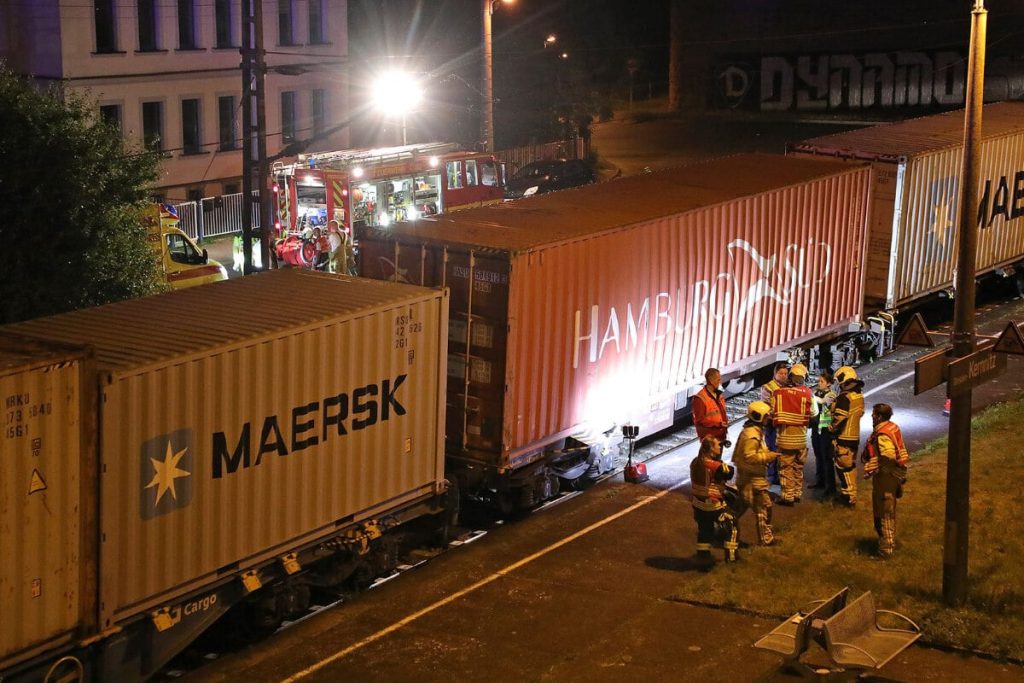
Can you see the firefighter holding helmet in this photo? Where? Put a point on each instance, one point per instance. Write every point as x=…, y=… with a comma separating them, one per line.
x=793, y=407
x=845, y=428
x=751, y=457
x=708, y=475
x=885, y=463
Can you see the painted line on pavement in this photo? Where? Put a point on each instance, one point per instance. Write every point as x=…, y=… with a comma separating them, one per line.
x=888, y=384
x=340, y=654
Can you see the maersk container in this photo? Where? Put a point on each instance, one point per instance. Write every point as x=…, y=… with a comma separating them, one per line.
x=596, y=307
x=917, y=164
x=47, y=498
x=244, y=419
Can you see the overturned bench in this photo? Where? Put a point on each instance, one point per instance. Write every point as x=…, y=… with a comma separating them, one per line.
x=848, y=631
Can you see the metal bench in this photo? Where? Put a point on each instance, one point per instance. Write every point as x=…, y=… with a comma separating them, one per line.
x=792, y=637
x=853, y=638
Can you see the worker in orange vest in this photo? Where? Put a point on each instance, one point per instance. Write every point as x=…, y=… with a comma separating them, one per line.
x=708, y=408
x=885, y=462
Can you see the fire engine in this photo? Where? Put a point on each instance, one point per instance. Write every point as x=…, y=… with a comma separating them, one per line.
x=377, y=187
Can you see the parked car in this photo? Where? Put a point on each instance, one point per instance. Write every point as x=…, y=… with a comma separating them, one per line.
x=547, y=176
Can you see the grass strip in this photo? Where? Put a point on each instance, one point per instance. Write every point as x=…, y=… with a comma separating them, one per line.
x=825, y=548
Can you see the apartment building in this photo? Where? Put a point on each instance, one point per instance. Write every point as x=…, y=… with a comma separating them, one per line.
x=167, y=71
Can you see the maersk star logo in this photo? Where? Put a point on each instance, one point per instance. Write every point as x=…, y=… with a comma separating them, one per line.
x=942, y=200
x=166, y=473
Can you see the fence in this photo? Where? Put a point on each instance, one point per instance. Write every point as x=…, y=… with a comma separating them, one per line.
x=517, y=157
x=213, y=216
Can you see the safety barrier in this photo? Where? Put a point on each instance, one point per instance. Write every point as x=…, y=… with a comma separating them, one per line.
x=214, y=216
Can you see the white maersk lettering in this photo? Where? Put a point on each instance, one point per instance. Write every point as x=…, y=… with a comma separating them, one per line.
x=710, y=299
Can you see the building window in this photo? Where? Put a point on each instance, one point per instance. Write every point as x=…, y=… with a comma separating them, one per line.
x=228, y=125
x=231, y=188
x=147, y=25
x=319, y=108
x=288, y=116
x=193, y=194
x=106, y=36
x=186, y=25
x=190, y=142
x=285, y=23
x=317, y=29
x=222, y=10
x=153, y=125
x=110, y=114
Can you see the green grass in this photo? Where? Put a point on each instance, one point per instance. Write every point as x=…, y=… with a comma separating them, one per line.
x=825, y=548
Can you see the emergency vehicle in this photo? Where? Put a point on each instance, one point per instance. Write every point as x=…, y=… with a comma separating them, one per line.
x=376, y=187
x=182, y=263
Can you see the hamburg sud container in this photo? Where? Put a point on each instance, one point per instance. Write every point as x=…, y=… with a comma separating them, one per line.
x=47, y=488
x=913, y=228
x=245, y=420
x=600, y=306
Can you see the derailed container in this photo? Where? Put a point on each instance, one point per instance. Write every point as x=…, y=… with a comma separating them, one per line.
x=47, y=499
x=242, y=419
x=596, y=307
x=917, y=163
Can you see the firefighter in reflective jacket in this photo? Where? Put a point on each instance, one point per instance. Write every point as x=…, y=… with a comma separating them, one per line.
x=845, y=428
x=779, y=379
x=751, y=457
x=709, y=409
x=885, y=463
x=708, y=475
x=793, y=407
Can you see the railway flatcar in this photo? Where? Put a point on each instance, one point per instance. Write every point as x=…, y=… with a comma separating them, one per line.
x=581, y=311
x=167, y=459
x=915, y=196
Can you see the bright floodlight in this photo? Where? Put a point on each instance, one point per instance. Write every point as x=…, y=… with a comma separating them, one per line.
x=396, y=92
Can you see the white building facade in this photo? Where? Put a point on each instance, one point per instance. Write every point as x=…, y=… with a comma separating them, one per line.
x=167, y=71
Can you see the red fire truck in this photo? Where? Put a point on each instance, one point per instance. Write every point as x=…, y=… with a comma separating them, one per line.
x=377, y=187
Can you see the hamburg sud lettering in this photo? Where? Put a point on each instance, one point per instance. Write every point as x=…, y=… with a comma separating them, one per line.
x=777, y=278
x=308, y=425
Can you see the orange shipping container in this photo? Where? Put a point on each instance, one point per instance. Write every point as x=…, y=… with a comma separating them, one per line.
x=595, y=307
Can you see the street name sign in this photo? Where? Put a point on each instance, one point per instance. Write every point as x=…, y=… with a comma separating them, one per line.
x=970, y=371
x=930, y=370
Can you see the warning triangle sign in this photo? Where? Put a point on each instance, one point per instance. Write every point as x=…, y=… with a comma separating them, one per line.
x=36, y=484
x=915, y=333
x=1010, y=341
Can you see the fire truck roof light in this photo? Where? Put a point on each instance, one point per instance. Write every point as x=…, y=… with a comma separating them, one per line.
x=357, y=172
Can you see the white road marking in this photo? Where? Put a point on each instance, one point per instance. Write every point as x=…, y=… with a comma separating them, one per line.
x=888, y=384
x=340, y=654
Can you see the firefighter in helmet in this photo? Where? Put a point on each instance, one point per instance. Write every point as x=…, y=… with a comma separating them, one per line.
x=708, y=475
x=709, y=409
x=845, y=428
x=792, y=409
x=885, y=463
x=780, y=377
x=751, y=457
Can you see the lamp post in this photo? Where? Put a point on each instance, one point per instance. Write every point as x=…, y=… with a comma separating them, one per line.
x=397, y=92
x=487, y=124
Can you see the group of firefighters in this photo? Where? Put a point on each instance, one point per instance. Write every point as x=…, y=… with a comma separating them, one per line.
x=774, y=437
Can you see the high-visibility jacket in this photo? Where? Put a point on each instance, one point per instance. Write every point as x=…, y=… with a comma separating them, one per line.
x=825, y=399
x=707, y=483
x=709, y=414
x=792, y=406
x=846, y=414
x=885, y=447
x=751, y=457
x=768, y=390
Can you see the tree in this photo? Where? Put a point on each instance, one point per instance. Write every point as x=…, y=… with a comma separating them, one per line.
x=70, y=196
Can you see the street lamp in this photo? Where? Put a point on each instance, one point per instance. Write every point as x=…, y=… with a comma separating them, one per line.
x=550, y=40
x=487, y=126
x=397, y=92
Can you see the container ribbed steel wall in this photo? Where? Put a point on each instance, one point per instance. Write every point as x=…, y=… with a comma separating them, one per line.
x=595, y=307
x=42, y=466
x=917, y=191
x=275, y=352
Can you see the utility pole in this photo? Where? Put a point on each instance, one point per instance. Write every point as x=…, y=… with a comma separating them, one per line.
x=248, y=146
x=263, y=165
x=958, y=466
x=487, y=132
